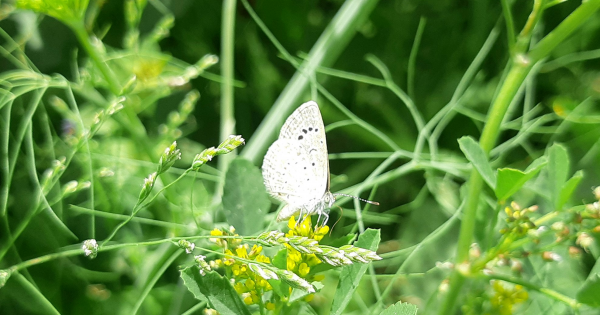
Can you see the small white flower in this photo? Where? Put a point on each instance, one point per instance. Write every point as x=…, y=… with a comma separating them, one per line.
x=90, y=248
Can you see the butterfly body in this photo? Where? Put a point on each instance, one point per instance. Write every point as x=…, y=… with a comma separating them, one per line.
x=296, y=166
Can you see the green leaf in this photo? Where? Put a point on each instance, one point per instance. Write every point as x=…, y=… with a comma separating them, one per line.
x=400, y=309
x=298, y=294
x=558, y=170
x=350, y=275
x=280, y=259
x=510, y=180
x=478, y=158
x=340, y=241
x=590, y=291
x=568, y=189
x=215, y=289
x=280, y=288
x=245, y=200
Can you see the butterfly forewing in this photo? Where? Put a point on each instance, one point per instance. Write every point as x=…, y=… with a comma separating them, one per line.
x=296, y=166
x=305, y=126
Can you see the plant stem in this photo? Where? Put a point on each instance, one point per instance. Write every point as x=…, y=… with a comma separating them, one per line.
x=227, y=72
x=510, y=24
x=412, y=59
x=326, y=50
x=489, y=136
x=509, y=89
x=84, y=40
x=563, y=30
x=138, y=206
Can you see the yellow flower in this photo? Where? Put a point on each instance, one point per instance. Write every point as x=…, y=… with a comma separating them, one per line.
x=291, y=264
x=309, y=297
x=506, y=296
x=320, y=232
x=247, y=298
x=227, y=261
x=312, y=260
x=270, y=306
x=263, y=259
x=292, y=223
x=255, y=251
x=241, y=252
x=294, y=255
x=250, y=298
x=303, y=270
x=240, y=288
x=236, y=270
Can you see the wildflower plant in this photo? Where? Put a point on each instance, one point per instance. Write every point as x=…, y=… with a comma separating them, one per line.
x=272, y=284
x=119, y=140
x=531, y=235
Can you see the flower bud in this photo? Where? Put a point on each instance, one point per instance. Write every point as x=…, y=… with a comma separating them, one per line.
x=90, y=248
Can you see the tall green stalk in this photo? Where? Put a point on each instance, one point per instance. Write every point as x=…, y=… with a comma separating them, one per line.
x=227, y=71
x=517, y=75
x=324, y=52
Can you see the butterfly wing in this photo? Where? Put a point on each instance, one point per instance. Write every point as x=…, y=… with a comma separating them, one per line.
x=305, y=126
x=288, y=175
x=296, y=166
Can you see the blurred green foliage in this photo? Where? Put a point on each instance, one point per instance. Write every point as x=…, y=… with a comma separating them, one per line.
x=74, y=162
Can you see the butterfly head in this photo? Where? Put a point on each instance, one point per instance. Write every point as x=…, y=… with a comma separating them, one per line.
x=328, y=199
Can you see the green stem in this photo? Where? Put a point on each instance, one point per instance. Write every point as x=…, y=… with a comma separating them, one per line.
x=510, y=24
x=84, y=40
x=489, y=136
x=227, y=72
x=412, y=59
x=325, y=51
x=138, y=206
x=511, y=85
x=79, y=251
x=563, y=30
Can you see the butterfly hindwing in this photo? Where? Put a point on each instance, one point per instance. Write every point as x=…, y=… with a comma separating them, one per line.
x=289, y=173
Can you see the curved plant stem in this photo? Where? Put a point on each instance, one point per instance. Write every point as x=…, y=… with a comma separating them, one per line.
x=84, y=40
x=489, y=136
x=326, y=50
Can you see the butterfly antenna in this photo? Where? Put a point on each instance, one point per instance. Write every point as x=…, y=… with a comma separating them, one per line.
x=363, y=200
x=338, y=220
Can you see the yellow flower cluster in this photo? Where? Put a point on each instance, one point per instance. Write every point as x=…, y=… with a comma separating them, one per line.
x=300, y=263
x=247, y=283
x=505, y=297
x=518, y=220
x=225, y=242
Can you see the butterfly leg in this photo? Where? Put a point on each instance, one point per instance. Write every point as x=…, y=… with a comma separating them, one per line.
x=300, y=217
x=325, y=215
x=319, y=218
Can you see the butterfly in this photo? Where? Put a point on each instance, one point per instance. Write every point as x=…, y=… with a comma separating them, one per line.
x=296, y=166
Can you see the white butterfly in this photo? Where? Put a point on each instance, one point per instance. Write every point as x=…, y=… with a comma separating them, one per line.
x=296, y=166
